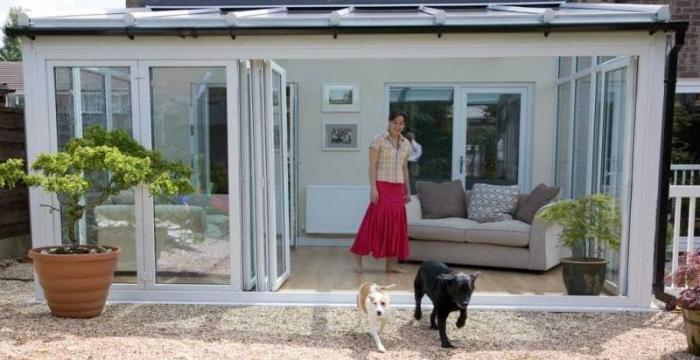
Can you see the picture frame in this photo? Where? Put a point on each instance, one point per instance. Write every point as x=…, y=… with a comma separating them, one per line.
x=341, y=97
x=341, y=136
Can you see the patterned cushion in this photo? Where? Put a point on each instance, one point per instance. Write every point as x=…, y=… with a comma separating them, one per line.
x=490, y=203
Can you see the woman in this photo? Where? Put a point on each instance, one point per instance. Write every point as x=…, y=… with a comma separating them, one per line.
x=384, y=232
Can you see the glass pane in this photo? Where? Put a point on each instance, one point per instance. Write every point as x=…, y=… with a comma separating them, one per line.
x=562, y=174
x=582, y=138
x=583, y=63
x=610, y=181
x=685, y=147
x=565, y=66
x=493, y=138
x=430, y=120
x=280, y=168
x=188, y=112
x=87, y=96
x=602, y=59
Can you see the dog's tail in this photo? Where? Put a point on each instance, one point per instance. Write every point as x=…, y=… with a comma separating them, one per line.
x=387, y=286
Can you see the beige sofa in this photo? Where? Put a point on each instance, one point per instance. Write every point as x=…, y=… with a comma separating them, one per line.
x=505, y=244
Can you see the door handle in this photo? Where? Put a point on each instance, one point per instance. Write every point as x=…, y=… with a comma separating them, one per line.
x=461, y=164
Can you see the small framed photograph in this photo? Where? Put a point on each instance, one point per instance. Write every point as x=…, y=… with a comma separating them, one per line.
x=341, y=137
x=341, y=97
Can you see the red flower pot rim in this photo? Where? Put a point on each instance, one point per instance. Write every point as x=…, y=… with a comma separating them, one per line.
x=36, y=252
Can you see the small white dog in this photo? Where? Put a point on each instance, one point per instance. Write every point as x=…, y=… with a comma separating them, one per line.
x=374, y=303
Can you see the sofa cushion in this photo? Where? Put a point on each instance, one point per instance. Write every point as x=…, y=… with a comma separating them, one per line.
x=539, y=197
x=512, y=233
x=448, y=229
x=489, y=203
x=441, y=200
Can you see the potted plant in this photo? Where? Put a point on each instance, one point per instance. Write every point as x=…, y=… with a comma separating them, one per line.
x=589, y=224
x=688, y=275
x=76, y=278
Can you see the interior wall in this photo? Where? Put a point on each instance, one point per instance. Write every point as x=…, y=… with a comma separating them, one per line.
x=318, y=167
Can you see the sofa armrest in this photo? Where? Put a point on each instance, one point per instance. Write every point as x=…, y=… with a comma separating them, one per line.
x=544, y=248
x=413, y=209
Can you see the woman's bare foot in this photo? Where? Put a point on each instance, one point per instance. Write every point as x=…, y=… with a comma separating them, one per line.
x=393, y=266
x=357, y=264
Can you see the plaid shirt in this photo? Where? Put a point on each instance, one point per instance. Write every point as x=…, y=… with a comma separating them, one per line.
x=391, y=159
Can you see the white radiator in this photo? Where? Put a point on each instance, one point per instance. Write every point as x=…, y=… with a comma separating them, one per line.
x=335, y=209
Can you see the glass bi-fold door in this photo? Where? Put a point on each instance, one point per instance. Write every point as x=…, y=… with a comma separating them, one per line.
x=266, y=227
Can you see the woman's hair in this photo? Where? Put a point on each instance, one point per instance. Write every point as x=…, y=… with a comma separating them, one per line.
x=396, y=113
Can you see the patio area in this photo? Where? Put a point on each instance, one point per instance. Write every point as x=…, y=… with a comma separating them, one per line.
x=144, y=331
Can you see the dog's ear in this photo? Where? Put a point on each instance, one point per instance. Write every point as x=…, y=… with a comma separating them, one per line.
x=475, y=275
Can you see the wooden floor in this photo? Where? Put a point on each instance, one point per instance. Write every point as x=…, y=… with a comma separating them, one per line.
x=326, y=269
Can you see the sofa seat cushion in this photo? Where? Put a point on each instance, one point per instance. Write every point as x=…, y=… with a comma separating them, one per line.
x=447, y=229
x=512, y=233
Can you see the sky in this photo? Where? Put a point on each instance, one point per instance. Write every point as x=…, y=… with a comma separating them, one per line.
x=41, y=7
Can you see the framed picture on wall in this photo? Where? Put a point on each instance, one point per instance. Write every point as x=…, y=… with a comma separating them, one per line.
x=341, y=137
x=341, y=97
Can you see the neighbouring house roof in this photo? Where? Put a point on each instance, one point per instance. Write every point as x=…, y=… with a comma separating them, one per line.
x=364, y=18
x=11, y=73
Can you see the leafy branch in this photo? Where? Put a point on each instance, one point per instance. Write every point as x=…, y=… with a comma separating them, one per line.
x=69, y=173
x=585, y=220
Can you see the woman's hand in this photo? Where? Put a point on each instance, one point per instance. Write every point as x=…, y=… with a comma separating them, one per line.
x=374, y=195
x=407, y=196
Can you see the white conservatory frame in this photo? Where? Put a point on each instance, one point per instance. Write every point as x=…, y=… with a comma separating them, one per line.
x=45, y=52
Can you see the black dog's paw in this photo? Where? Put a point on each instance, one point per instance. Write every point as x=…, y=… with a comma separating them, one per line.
x=417, y=314
x=460, y=322
x=448, y=345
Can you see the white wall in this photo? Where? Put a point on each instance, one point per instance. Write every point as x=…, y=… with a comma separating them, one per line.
x=350, y=167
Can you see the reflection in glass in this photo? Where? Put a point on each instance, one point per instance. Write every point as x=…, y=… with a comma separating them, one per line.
x=582, y=138
x=430, y=118
x=188, y=112
x=562, y=173
x=611, y=176
x=493, y=138
x=280, y=164
x=87, y=96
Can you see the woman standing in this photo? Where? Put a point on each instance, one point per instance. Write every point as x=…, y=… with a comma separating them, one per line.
x=384, y=231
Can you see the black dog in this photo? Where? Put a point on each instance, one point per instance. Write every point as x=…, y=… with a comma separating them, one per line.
x=448, y=290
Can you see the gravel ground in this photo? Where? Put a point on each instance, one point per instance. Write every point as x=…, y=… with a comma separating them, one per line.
x=154, y=331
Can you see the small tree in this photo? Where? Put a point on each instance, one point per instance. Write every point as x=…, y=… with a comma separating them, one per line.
x=585, y=220
x=11, y=49
x=70, y=174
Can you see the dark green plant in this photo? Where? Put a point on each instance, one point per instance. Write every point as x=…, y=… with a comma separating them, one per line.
x=588, y=219
x=70, y=173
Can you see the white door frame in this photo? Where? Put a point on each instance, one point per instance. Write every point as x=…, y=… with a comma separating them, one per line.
x=276, y=279
x=235, y=245
x=460, y=125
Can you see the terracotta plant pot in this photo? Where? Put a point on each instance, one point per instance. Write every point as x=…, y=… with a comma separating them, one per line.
x=691, y=319
x=584, y=276
x=75, y=286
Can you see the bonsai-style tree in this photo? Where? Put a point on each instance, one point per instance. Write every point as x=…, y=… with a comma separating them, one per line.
x=81, y=167
x=585, y=220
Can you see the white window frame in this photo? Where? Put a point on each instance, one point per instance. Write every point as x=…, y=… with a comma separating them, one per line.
x=647, y=142
x=459, y=119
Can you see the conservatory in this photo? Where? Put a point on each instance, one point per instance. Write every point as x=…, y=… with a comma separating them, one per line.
x=274, y=108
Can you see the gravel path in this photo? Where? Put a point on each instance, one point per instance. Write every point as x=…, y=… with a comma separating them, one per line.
x=150, y=331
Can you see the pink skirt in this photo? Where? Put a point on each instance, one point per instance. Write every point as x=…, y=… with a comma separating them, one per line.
x=384, y=230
